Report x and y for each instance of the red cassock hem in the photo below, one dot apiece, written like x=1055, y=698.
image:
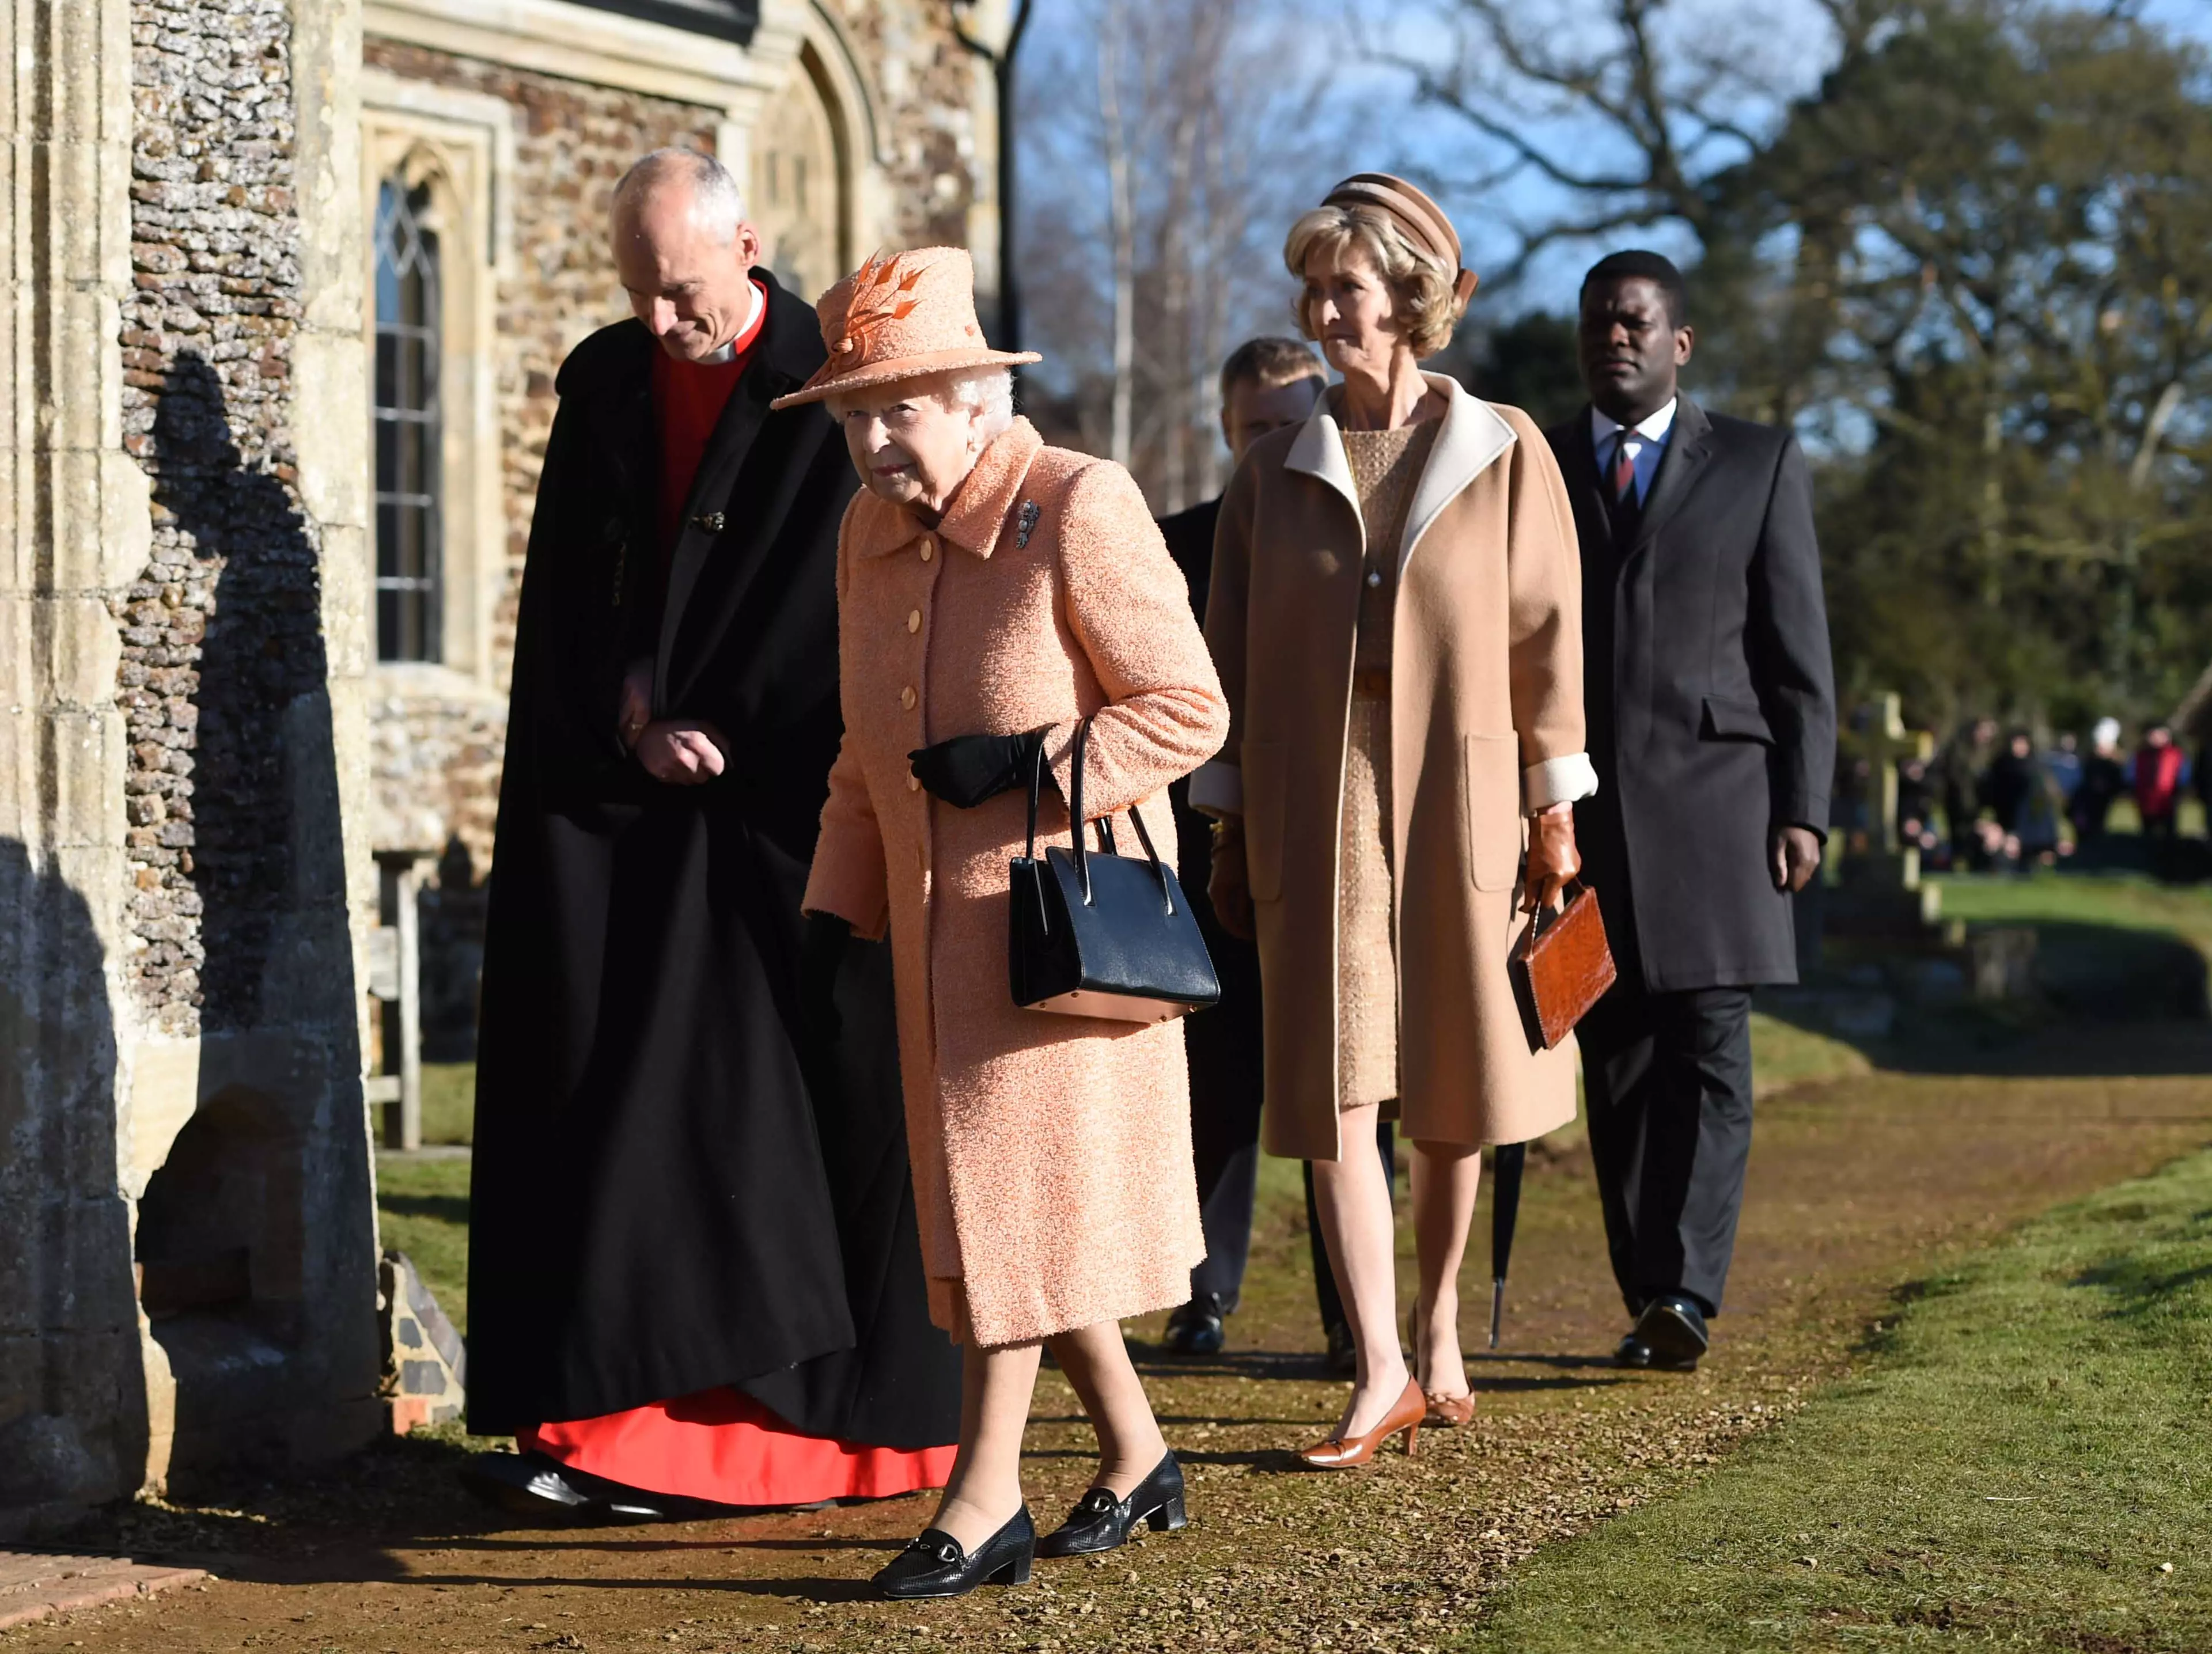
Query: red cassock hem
x=723, y=1445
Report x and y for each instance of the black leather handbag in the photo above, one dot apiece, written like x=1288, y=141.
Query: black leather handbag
x=1094, y=933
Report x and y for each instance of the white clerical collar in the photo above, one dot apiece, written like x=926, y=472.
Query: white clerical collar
x=1653, y=429
x=728, y=353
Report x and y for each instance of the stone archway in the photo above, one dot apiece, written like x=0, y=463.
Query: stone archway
x=801, y=176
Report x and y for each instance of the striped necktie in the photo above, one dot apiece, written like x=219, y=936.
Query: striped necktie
x=1624, y=468
x=1623, y=507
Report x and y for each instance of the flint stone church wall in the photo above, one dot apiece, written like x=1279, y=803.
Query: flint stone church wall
x=207, y=357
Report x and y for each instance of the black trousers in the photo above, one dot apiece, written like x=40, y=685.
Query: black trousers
x=1667, y=1077
x=1226, y=1184
x=1226, y=1070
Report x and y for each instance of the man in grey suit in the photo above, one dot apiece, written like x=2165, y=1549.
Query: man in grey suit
x=1712, y=724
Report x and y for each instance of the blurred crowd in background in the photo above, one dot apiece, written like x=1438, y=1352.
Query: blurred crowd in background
x=1994, y=799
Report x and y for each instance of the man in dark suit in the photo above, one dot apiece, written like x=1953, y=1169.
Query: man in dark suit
x=1265, y=384
x=1712, y=724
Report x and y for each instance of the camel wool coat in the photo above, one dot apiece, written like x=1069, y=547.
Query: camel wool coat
x=1052, y=1158
x=1485, y=721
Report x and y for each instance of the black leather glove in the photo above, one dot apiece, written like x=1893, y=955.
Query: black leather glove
x=969, y=768
x=822, y=947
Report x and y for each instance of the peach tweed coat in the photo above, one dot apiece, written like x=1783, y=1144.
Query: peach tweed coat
x=1052, y=1158
x=1486, y=719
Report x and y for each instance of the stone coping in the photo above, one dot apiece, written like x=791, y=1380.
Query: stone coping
x=38, y=1585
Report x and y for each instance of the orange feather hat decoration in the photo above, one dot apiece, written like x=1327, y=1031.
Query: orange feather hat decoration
x=902, y=316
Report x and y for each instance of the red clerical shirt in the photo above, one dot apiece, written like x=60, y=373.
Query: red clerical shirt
x=688, y=399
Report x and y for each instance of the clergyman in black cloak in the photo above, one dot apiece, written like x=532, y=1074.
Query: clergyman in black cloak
x=690, y=1171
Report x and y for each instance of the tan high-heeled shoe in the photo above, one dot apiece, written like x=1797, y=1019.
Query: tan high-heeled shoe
x=1445, y=1412
x=1408, y=1414
x=1448, y=1412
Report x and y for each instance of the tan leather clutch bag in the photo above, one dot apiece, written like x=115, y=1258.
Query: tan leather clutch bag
x=1561, y=967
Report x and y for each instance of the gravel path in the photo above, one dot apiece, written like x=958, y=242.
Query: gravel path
x=1858, y=1187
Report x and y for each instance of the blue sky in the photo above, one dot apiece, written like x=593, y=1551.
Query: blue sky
x=1785, y=43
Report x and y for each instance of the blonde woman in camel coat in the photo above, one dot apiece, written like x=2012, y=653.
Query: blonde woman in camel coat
x=1454, y=630
x=993, y=594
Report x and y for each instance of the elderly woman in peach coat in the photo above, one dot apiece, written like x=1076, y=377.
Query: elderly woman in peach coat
x=993, y=594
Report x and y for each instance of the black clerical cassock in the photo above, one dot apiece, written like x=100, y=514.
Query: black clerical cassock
x=684, y=1178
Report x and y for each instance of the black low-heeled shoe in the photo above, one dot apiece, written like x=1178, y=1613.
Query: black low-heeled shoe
x=934, y=1565
x=1196, y=1327
x=1100, y=1522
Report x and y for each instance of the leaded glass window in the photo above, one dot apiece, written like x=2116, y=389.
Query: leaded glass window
x=409, y=439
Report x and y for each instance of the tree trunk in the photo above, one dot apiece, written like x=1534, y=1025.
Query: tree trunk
x=1122, y=219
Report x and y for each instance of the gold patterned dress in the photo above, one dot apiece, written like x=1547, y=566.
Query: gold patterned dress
x=1385, y=465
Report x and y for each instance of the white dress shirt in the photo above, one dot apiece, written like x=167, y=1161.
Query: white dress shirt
x=1647, y=442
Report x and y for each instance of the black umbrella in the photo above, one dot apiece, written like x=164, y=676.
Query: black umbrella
x=1507, y=1162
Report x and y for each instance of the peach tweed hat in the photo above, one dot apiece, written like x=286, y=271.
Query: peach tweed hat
x=898, y=318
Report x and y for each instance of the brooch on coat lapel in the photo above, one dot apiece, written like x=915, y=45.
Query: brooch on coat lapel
x=1025, y=525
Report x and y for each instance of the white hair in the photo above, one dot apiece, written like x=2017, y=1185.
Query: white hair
x=986, y=395
x=718, y=206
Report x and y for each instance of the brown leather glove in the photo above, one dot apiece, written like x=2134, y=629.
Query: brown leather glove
x=1229, y=887
x=1553, y=859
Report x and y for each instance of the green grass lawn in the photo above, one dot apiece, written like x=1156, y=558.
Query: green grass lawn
x=2115, y=947
x=2025, y=1462
x=2131, y=901
x=449, y=1102
x=423, y=1209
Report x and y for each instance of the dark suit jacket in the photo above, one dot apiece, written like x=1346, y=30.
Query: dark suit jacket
x=1710, y=696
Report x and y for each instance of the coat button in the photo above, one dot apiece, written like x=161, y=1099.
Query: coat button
x=913, y=620
x=906, y=697
x=1373, y=577
x=928, y=547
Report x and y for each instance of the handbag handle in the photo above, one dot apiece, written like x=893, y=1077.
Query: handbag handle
x=1075, y=811
x=1037, y=788
x=1545, y=918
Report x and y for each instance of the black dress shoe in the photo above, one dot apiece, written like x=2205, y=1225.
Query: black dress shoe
x=1633, y=1352
x=531, y=1485
x=934, y=1565
x=537, y=1488
x=1101, y=1522
x=1343, y=1353
x=1672, y=1328
x=1196, y=1327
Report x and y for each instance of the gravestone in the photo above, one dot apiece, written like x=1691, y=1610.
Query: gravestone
x=1878, y=890
x=1879, y=896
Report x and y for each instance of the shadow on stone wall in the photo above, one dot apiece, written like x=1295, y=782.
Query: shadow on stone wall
x=73, y=1420
x=255, y=1236
x=268, y=858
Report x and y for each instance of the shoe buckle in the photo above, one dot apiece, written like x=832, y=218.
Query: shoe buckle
x=1098, y=1501
x=944, y=1550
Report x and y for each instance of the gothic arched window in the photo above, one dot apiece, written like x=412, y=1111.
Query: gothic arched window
x=407, y=430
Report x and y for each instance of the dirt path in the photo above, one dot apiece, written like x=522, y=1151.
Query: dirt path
x=1856, y=1187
